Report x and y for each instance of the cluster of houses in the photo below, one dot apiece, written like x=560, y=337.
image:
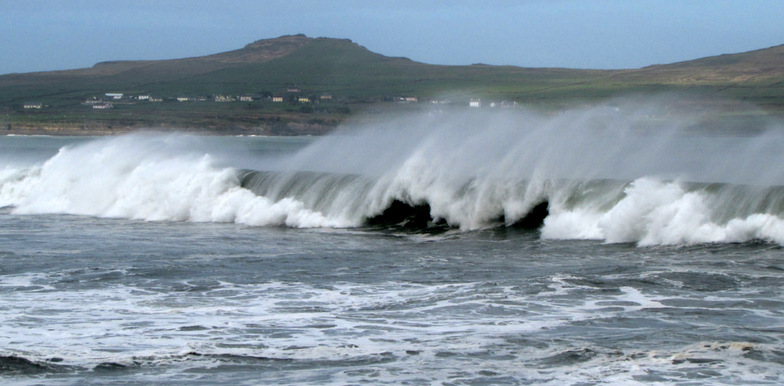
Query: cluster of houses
x=292, y=95
x=108, y=100
x=476, y=103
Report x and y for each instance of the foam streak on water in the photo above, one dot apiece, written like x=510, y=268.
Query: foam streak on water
x=334, y=307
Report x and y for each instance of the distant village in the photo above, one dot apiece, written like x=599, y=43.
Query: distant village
x=292, y=95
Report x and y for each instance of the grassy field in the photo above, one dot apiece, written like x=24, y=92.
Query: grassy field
x=357, y=80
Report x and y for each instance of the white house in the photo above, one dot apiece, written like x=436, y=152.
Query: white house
x=224, y=98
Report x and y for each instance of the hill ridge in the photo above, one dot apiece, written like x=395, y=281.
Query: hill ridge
x=750, y=66
x=354, y=76
x=755, y=64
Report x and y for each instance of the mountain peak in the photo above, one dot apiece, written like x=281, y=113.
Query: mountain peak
x=264, y=50
x=297, y=40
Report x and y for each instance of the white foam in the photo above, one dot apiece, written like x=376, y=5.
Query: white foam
x=415, y=324
x=654, y=212
x=32, y=281
x=147, y=178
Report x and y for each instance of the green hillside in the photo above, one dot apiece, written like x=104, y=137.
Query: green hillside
x=353, y=78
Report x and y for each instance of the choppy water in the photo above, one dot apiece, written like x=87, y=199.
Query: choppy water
x=174, y=259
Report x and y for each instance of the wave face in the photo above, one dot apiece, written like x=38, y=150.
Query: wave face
x=623, y=172
x=153, y=178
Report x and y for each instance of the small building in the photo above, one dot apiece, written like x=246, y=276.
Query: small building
x=246, y=98
x=33, y=105
x=183, y=99
x=277, y=98
x=143, y=97
x=156, y=99
x=325, y=97
x=103, y=106
x=303, y=100
x=224, y=98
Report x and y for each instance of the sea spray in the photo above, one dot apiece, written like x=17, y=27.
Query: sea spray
x=151, y=178
x=631, y=171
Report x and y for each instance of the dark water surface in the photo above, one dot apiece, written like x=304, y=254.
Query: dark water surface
x=104, y=300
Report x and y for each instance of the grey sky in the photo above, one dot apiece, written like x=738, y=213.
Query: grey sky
x=51, y=34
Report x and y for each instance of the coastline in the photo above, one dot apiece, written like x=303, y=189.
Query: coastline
x=293, y=128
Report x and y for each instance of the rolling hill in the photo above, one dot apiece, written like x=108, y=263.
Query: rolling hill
x=352, y=76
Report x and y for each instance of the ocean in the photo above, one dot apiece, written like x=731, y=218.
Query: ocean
x=613, y=244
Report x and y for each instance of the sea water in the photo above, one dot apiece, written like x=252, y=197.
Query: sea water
x=408, y=251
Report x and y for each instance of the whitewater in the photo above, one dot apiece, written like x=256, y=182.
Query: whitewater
x=613, y=174
x=629, y=242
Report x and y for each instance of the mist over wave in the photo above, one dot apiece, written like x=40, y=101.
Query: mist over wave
x=148, y=177
x=625, y=171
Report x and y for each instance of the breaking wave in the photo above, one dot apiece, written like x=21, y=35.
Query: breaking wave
x=632, y=173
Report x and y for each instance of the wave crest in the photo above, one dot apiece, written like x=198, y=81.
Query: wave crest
x=614, y=174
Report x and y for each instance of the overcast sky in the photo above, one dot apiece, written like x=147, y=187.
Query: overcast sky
x=55, y=34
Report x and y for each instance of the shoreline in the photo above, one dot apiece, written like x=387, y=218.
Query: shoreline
x=288, y=129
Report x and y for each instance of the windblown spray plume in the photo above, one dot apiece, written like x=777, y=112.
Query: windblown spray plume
x=648, y=172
